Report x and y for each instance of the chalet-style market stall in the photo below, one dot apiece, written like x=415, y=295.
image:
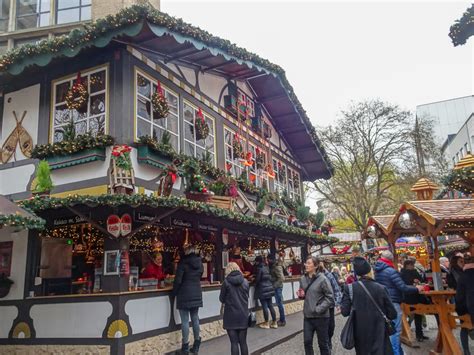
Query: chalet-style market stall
x=136, y=136
x=431, y=218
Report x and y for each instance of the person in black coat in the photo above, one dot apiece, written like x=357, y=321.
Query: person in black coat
x=465, y=300
x=264, y=292
x=370, y=333
x=188, y=292
x=411, y=276
x=235, y=298
x=455, y=271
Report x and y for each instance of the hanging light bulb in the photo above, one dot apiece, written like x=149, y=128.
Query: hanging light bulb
x=405, y=220
x=372, y=231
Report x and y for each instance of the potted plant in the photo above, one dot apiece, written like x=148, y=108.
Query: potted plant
x=44, y=184
x=5, y=285
x=302, y=215
x=195, y=187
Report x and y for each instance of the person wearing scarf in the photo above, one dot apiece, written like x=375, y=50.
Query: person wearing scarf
x=388, y=276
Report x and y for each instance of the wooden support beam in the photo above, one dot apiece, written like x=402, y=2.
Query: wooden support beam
x=217, y=66
x=182, y=55
x=91, y=222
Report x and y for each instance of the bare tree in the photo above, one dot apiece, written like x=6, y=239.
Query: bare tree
x=367, y=146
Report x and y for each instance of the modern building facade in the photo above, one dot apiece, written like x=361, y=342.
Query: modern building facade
x=30, y=21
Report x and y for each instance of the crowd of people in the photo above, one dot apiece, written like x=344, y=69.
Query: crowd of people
x=375, y=291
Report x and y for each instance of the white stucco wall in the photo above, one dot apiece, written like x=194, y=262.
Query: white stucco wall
x=18, y=266
x=211, y=85
x=15, y=179
x=22, y=102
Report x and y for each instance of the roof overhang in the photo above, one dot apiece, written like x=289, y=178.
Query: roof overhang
x=183, y=45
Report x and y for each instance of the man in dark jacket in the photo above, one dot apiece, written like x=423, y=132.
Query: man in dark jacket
x=337, y=300
x=278, y=276
x=388, y=276
x=188, y=292
x=411, y=276
x=370, y=331
x=465, y=300
x=264, y=292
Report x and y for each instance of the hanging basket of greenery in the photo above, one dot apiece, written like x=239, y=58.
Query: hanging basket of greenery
x=202, y=128
x=121, y=154
x=237, y=147
x=77, y=95
x=159, y=103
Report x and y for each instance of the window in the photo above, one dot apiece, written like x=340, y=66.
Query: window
x=192, y=146
x=73, y=11
x=92, y=118
x=4, y=15
x=280, y=176
x=32, y=13
x=256, y=172
x=457, y=156
x=22, y=42
x=461, y=152
x=466, y=149
x=3, y=47
x=234, y=163
x=294, y=188
x=148, y=123
x=454, y=161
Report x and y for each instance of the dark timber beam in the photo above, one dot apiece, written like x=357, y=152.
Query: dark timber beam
x=217, y=66
x=183, y=55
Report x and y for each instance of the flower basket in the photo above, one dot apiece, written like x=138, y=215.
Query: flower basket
x=198, y=196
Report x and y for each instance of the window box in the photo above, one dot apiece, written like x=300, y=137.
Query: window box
x=77, y=158
x=147, y=155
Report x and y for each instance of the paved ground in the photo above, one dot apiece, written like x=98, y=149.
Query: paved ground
x=294, y=346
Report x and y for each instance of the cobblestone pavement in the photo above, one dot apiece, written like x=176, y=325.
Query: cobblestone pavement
x=295, y=345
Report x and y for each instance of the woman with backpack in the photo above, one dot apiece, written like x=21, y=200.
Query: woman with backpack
x=264, y=292
x=318, y=296
x=368, y=300
x=234, y=297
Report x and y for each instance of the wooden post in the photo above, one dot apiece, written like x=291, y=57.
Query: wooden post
x=219, y=271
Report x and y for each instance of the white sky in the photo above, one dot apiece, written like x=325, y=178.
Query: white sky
x=338, y=52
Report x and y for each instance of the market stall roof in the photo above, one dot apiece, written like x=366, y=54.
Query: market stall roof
x=383, y=222
x=447, y=211
x=169, y=39
x=198, y=213
x=12, y=215
x=463, y=28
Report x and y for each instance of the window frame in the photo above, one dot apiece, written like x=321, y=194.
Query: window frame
x=38, y=15
x=261, y=177
x=5, y=17
x=153, y=81
x=80, y=7
x=213, y=135
x=70, y=78
x=234, y=165
x=294, y=192
x=277, y=185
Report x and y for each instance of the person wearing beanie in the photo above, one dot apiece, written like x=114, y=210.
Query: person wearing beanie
x=370, y=334
x=388, y=276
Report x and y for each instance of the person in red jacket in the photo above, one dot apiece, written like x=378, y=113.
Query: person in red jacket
x=154, y=269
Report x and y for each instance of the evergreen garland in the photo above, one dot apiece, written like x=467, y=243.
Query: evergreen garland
x=20, y=221
x=77, y=95
x=38, y=204
x=461, y=180
x=66, y=147
x=159, y=103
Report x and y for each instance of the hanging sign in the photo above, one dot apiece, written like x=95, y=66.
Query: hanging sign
x=126, y=225
x=181, y=223
x=113, y=225
x=119, y=226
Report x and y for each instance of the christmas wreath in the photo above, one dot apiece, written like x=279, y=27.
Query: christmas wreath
x=202, y=128
x=77, y=95
x=160, y=105
x=237, y=147
x=121, y=154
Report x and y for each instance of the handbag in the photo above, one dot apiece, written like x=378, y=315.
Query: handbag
x=252, y=319
x=389, y=325
x=347, y=333
x=302, y=291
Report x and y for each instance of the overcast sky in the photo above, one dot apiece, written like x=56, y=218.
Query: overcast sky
x=338, y=52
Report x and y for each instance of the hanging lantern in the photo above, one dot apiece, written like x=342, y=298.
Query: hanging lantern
x=372, y=231
x=405, y=220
